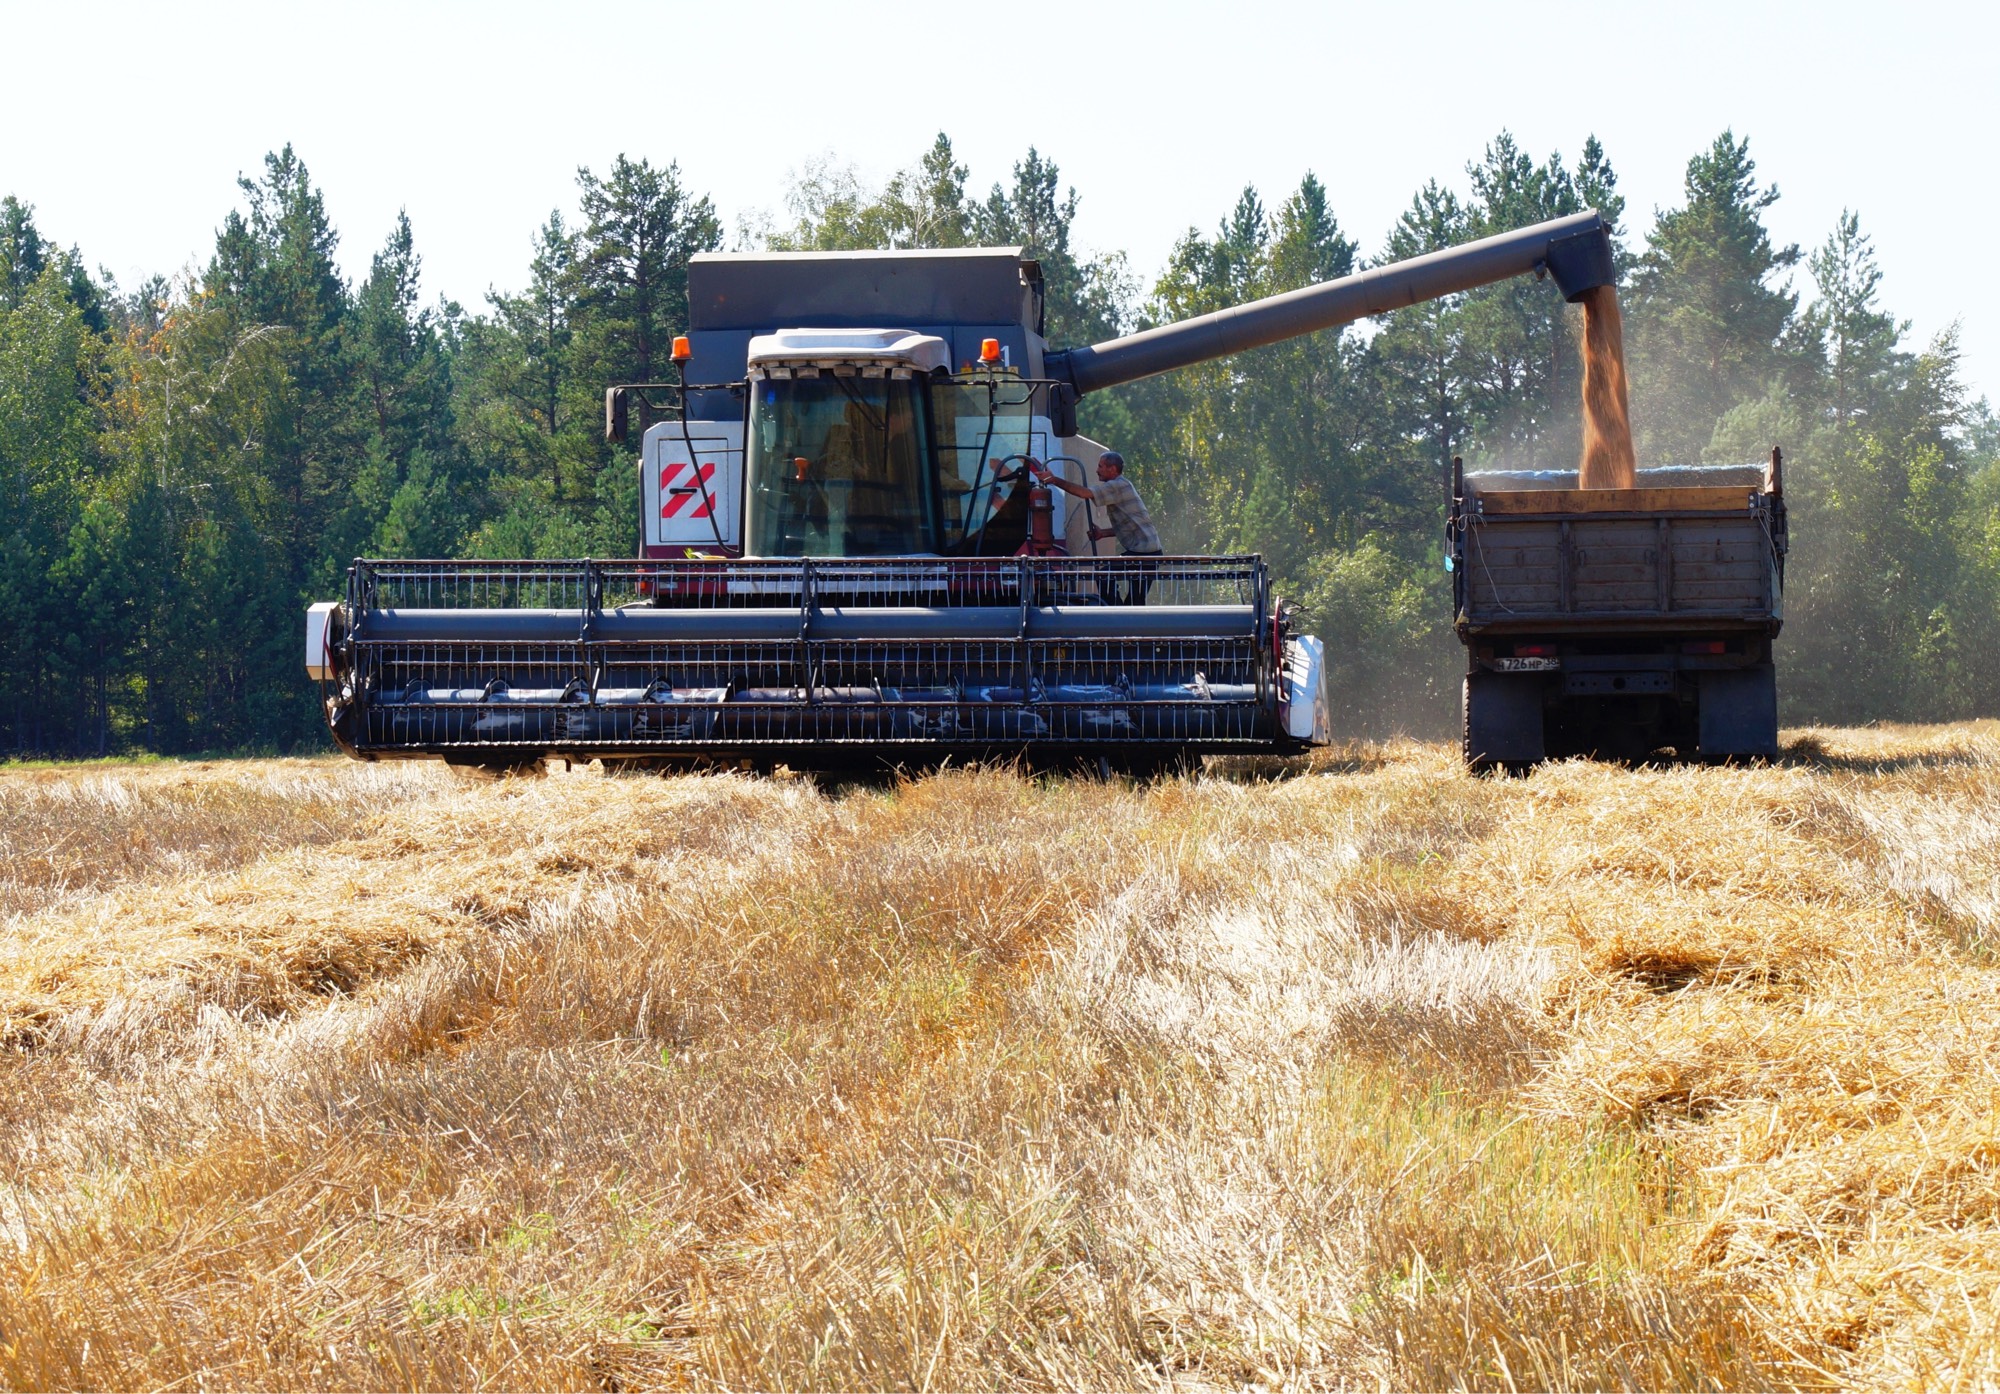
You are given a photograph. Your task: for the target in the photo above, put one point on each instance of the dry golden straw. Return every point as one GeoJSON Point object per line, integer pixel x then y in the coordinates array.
{"type": "Point", "coordinates": [1371, 1074]}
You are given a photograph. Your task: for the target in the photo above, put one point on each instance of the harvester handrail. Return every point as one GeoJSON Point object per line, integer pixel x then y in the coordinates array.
{"type": "Point", "coordinates": [591, 586]}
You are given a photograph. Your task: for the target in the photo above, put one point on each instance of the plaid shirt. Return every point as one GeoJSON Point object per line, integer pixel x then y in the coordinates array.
{"type": "Point", "coordinates": [1127, 511]}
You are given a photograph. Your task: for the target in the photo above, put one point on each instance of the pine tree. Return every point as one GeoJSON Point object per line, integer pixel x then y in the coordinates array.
{"type": "Point", "coordinates": [398, 363]}
{"type": "Point", "coordinates": [1597, 187]}
{"type": "Point", "coordinates": [930, 200]}
{"type": "Point", "coordinates": [521, 369]}
{"type": "Point", "coordinates": [400, 400]}
{"type": "Point", "coordinates": [1858, 340]}
{"type": "Point", "coordinates": [23, 253]}
{"type": "Point", "coordinates": [276, 263]}
{"type": "Point", "coordinates": [640, 229]}
{"type": "Point", "coordinates": [50, 384]}
{"type": "Point", "coordinates": [273, 278]}
{"type": "Point", "coordinates": [1706, 321]}
{"type": "Point", "coordinates": [1521, 358]}
{"type": "Point", "coordinates": [1420, 354]}
{"type": "Point", "coordinates": [1084, 299]}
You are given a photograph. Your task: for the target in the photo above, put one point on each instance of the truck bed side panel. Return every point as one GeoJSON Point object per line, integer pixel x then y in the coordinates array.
{"type": "Point", "coordinates": [1578, 568]}
{"type": "Point", "coordinates": [1514, 566]}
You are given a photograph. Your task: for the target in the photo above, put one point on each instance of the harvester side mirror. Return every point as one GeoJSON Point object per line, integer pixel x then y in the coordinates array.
{"type": "Point", "coordinates": [616, 415]}
{"type": "Point", "coordinates": [1062, 410]}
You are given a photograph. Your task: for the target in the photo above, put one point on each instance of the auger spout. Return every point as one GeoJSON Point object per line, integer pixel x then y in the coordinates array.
{"type": "Point", "coordinates": [1575, 251]}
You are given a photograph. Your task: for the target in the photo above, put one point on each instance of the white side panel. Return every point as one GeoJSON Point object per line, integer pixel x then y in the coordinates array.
{"type": "Point", "coordinates": [1306, 716]}
{"type": "Point", "coordinates": [676, 502]}
{"type": "Point", "coordinates": [319, 663]}
{"type": "Point", "coordinates": [1074, 522]}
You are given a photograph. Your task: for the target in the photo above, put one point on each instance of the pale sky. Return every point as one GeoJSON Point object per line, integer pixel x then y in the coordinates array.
{"type": "Point", "coordinates": [127, 128]}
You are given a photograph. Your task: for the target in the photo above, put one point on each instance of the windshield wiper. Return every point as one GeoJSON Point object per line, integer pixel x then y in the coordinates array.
{"type": "Point", "coordinates": [875, 422]}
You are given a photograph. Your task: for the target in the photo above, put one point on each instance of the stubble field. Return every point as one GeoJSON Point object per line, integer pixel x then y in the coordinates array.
{"type": "Point", "coordinates": [320, 1075]}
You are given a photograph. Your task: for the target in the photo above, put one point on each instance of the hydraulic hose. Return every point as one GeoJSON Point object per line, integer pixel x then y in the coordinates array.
{"type": "Point", "coordinates": [694, 463]}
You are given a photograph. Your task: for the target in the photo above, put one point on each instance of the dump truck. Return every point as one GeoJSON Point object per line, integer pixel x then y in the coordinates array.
{"type": "Point", "coordinates": [842, 557]}
{"type": "Point", "coordinates": [1618, 622]}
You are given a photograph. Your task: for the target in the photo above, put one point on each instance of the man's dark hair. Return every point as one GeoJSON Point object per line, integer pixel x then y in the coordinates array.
{"type": "Point", "coordinates": [1112, 457]}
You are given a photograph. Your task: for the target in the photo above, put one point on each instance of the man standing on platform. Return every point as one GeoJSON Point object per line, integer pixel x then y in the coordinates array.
{"type": "Point", "coordinates": [1131, 524]}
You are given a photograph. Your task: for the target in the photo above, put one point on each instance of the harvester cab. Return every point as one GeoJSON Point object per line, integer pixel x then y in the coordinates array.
{"type": "Point", "coordinates": [842, 558]}
{"type": "Point", "coordinates": [904, 435]}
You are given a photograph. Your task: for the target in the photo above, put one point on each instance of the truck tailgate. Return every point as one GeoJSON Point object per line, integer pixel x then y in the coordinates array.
{"type": "Point", "coordinates": [1539, 560]}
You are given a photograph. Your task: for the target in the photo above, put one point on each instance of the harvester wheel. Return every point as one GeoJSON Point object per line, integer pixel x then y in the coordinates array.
{"type": "Point", "coordinates": [486, 771]}
{"type": "Point", "coordinates": [1172, 764]}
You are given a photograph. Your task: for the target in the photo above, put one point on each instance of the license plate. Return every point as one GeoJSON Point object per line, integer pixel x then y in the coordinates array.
{"type": "Point", "coordinates": [1527, 665]}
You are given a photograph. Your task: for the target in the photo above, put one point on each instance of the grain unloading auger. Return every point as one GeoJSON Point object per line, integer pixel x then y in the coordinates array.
{"type": "Point", "coordinates": [842, 559]}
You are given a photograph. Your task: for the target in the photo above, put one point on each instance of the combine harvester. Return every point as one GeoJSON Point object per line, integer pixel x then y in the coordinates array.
{"type": "Point", "coordinates": [843, 561]}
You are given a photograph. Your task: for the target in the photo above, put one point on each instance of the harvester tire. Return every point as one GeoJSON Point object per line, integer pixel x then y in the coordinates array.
{"type": "Point", "coordinates": [1173, 764]}
{"type": "Point", "coordinates": [487, 771]}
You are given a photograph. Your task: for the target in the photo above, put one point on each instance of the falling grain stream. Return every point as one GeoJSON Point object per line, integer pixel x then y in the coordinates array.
{"type": "Point", "coordinates": [1608, 461]}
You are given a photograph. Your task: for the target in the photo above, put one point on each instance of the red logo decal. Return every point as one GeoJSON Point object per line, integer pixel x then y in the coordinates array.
{"type": "Point", "coordinates": [698, 492]}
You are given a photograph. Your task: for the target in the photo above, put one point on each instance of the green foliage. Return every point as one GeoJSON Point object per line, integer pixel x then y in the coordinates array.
{"type": "Point", "coordinates": [1421, 354]}
{"type": "Point", "coordinates": [1854, 340]}
{"type": "Point", "coordinates": [640, 229]}
{"type": "Point", "coordinates": [1523, 362]}
{"type": "Point", "coordinates": [1494, 374]}
{"type": "Point", "coordinates": [602, 306]}
{"type": "Point", "coordinates": [50, 380]}
{"type": "Point", "coordinates": [1257, 454]}
{"type": "Point", "coordinates": [922, 206]}
{"type": "Point", "coordinates": [1085, 296]}
{"type": "Point", "coordinates": [25, 257]}
{"type": "Point", "coordinates": [1707, 322]}
{"type": "Point", "coordinates": [1393, 661]}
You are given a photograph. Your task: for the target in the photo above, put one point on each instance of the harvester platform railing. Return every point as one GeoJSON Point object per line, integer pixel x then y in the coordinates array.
{"type": "Point", "coordinates": [723, 656]}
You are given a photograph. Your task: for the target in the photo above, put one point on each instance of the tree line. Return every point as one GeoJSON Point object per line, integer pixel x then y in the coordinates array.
{"type": "Point", "coordinates": [188, 462]}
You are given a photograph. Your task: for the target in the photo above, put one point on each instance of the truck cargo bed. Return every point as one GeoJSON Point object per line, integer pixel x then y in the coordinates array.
{"type": "Point", "coordinates": [1653, 558]}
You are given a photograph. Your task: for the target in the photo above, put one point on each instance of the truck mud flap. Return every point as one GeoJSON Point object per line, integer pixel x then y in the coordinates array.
{"type": "Point", "coordinates": [1503, 719]}
{"type": "Point", "coordinates": [1739, 711]}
